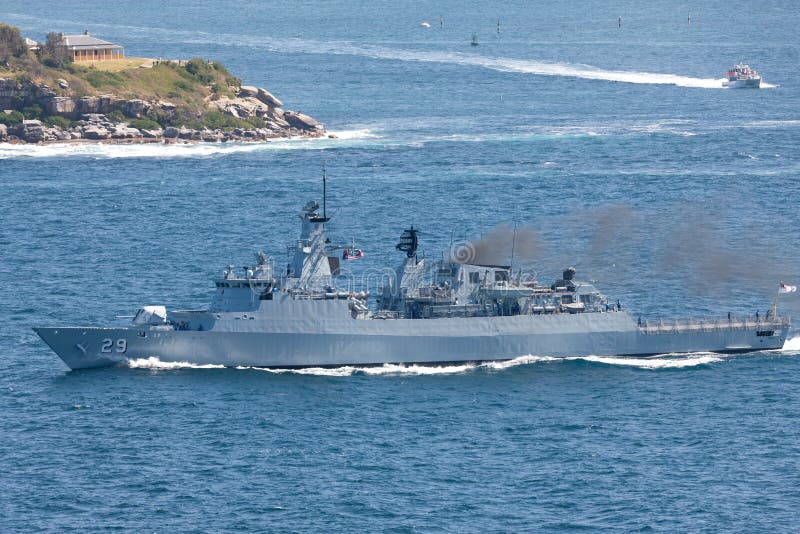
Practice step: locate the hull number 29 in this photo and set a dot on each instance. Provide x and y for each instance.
(109, 345)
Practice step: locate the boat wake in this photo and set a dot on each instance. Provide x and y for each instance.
(666, 361)
(660, 362)
(310, 46)
(154, 363)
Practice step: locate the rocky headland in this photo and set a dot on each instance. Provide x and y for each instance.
(108, 117)
(48, 98)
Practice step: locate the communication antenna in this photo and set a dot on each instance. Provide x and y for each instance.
(324, 190)
(513, 246)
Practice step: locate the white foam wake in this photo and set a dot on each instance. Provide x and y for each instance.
(154, 363)
(792, 345)
(310, 46)
(659, 362)
(667, 361)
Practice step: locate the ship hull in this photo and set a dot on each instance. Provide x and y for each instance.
(376, 342)
(753, 83)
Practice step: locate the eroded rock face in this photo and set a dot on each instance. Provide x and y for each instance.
(95, 132)
(267, 97)
(60, 105)
(302, 121)
(92, 113)
(30, 131)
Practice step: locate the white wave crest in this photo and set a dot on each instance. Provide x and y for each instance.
(660, 362)
(178, 150)
(154, 363)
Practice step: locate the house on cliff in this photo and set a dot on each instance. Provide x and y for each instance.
(87, 48)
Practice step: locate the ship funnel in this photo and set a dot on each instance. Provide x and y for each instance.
(569, 273)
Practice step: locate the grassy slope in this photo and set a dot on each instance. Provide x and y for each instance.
(188, 87)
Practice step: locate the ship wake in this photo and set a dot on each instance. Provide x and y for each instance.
(663, 361)
(154, 363)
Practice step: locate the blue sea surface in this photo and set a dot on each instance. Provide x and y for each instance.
(617, 147)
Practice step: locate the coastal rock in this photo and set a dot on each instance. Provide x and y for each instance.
(171, 132)
(60, 105)
(168, 107)
(8, 90)
(135, 108)
(95, 132)
(268, 98)
(3, 132)
(152, 134)
(246, 91)
(124, 132)
(62, 83)
(30, 131)
(301, 121)
(94, 118)
(209, 136)
(44, 91)
(242, 107)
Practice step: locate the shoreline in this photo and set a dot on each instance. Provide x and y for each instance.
(162, 141)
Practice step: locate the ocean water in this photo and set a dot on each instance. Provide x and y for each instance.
(618, 148)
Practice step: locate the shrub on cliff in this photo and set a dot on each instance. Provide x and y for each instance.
(59, 121)
(11, 119)
(201, 70)
(52, 54)
(12, 45)
(144, 124)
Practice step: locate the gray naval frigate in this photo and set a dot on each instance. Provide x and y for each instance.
(451, 310)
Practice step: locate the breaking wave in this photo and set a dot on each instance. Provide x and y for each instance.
(179, 150)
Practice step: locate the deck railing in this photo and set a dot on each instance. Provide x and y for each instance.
(712, 324)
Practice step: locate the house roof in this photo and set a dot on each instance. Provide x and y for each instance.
(86, 42)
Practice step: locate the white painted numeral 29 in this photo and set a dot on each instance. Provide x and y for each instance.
(108, 345)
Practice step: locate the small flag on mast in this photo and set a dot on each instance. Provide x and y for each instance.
(786, 289)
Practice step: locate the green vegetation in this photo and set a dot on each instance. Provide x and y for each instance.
(187, 86)
(11, 119)
(52, 55)
(144, 124)
(56, 120)
(12, 45)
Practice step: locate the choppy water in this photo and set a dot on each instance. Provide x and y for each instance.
(619, 146)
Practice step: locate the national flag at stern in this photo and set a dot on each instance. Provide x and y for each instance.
(786, 289)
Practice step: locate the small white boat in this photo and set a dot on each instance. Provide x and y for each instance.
(742, 76)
